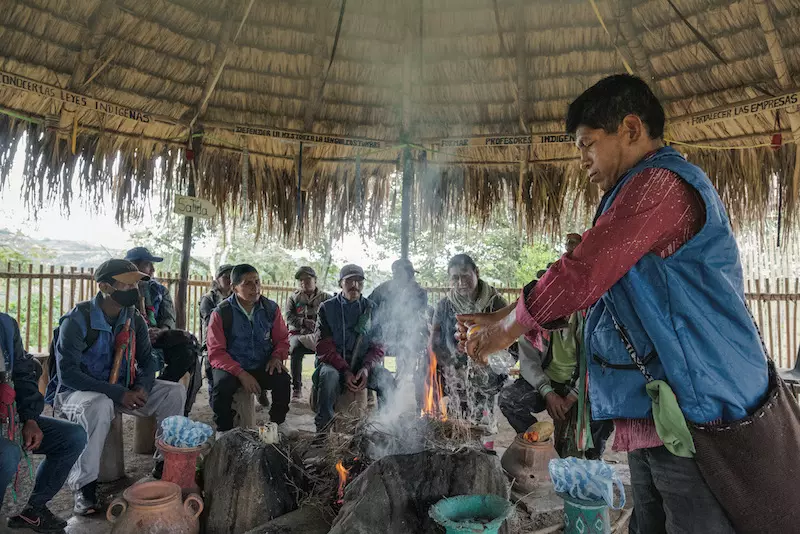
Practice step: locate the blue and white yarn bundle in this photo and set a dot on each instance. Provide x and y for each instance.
(180, 431)
(587, 480)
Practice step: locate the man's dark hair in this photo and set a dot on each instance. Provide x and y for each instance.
(607, 102)
(462, 260)
(238, 272)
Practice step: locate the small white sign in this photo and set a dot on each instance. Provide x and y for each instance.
(194, 207)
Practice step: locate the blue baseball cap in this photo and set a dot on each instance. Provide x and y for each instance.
(141, 254)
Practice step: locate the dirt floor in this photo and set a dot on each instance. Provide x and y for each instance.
(138, 466)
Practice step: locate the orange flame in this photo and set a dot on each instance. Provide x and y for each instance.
(433, 402)
(340, 469)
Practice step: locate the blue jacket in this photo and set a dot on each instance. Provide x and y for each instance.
(338, 324)
(251, 344)
(82, 369)
(22, 369)
(686, 317)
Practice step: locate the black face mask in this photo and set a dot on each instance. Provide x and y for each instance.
(126, 298)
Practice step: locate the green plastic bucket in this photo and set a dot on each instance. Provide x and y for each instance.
(585, 517)
(471, 514)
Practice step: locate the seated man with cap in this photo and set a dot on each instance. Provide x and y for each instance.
(247, 344)
(401, 315)
(177, 351)
(104, 365)
(349, 352)
(301, 318)
(220, 290)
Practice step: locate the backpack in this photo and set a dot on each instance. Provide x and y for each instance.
(91, 335)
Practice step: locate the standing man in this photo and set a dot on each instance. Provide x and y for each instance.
(220, 290)
(661, 265)
(349, 353)
(301, 318)
(177, 350)
(104, 365)
(247, 345)
(61, 442)
(401, 308)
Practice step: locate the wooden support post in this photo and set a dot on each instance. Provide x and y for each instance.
(408, 165)
(186, 253)
(300, 194)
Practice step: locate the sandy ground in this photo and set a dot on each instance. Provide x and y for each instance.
(138, 466)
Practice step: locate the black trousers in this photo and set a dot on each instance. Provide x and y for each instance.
(225, 385)
(179, 360)
(297, 364)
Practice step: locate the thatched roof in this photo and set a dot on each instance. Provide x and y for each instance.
(394, 71)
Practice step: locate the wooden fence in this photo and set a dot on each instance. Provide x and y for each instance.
(36, 296)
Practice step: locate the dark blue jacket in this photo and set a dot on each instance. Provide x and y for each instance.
(82, 369)
(686, 315)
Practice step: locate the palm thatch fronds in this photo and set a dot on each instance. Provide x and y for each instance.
(390, 73)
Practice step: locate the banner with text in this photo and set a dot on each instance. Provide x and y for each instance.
(309, 137)
(508, 140)
(68, 97)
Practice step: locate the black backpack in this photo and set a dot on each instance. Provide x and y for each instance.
(91, 335)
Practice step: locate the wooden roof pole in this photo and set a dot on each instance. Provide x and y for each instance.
(92, 40)
(319, 72)
(634, 46)
(222, 53)
(784, 79)
(522, 70)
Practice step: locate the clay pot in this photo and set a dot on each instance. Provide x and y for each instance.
(155, 508)
(180, 465)
(527, 463)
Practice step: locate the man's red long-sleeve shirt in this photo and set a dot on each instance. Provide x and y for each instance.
(655, 212)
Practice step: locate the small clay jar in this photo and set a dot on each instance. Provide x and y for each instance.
(155, 508)
(527, 463)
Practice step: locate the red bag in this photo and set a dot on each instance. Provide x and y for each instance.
(7, 396)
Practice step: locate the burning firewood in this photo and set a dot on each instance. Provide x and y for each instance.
(342, 472)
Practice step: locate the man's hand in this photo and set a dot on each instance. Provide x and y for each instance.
(557, 406)
(361, 379)
(351, 381)
(249, 383)
(154, 333)
(310, 324)
(31, 435)
(496, 332)
(276, 365)
(134, 399)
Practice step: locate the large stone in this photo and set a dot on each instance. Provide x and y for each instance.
(246, 483)
(306, 520)
(395, 493)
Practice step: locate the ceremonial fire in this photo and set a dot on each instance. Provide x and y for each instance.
(433, 403)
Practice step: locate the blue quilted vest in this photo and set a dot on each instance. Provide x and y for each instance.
(686, 317)
(251, 343)
(7, 341)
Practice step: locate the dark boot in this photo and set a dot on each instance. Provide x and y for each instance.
(86, 499)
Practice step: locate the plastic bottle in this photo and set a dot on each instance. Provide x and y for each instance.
(501, 361)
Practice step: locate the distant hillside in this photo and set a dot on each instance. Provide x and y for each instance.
(16, 247)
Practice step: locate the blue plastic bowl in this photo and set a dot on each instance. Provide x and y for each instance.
(471, 514)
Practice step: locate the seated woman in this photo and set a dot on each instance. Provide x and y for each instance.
(472, 389)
